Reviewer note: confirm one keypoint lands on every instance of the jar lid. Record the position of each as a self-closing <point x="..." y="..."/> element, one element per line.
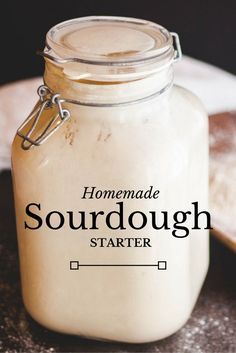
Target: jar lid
<point x="119" y="44"/>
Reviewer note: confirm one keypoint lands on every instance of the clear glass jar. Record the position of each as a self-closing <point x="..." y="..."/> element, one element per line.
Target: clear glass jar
<point x="128" y="128"/>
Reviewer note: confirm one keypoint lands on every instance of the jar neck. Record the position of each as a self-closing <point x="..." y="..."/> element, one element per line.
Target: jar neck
<point x="89" y="91"/>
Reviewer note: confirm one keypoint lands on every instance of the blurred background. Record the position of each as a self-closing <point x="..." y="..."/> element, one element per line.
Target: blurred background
<point x="206" y="28"/>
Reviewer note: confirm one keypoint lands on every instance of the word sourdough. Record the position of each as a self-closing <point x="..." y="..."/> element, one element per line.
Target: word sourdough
<point x="117" y="219"/>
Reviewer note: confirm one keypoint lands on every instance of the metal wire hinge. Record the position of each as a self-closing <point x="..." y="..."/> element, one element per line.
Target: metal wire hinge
<point x="47" y="100"/>
<point x="177" y="47"/>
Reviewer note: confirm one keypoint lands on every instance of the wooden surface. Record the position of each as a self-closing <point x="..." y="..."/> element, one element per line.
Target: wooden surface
<point x="211" y="328"/>
<point x="222" y="129"/>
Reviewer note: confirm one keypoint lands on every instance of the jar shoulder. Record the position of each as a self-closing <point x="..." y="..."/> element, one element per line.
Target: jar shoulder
<point x="183" y="97"/>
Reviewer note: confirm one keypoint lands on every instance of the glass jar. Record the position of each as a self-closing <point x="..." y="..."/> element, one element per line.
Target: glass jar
<point x="111" y="144"/>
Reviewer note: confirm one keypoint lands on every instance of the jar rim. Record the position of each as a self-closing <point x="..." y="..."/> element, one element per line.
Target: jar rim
<point x="109" y="41"/>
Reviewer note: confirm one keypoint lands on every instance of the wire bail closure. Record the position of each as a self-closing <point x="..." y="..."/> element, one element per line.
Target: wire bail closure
<point x="46" y="101"/>
<point x="49" y="99"/>
<point x="177" y="47"/>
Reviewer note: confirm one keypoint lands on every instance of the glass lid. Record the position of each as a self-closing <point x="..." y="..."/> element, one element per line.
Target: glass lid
<point x="113" y="40"/>
<point x="108" y="48"/>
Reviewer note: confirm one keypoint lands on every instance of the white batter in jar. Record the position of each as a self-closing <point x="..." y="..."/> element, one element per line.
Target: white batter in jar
<point x="128" y="128"/>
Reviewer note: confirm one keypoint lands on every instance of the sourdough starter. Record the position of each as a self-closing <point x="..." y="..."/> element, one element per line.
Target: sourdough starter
<point x="160" y="141"/>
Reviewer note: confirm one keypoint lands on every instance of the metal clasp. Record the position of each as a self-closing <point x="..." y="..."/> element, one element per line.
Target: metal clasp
<point x="46" y="101"/>
<point x="177" y="47"/>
